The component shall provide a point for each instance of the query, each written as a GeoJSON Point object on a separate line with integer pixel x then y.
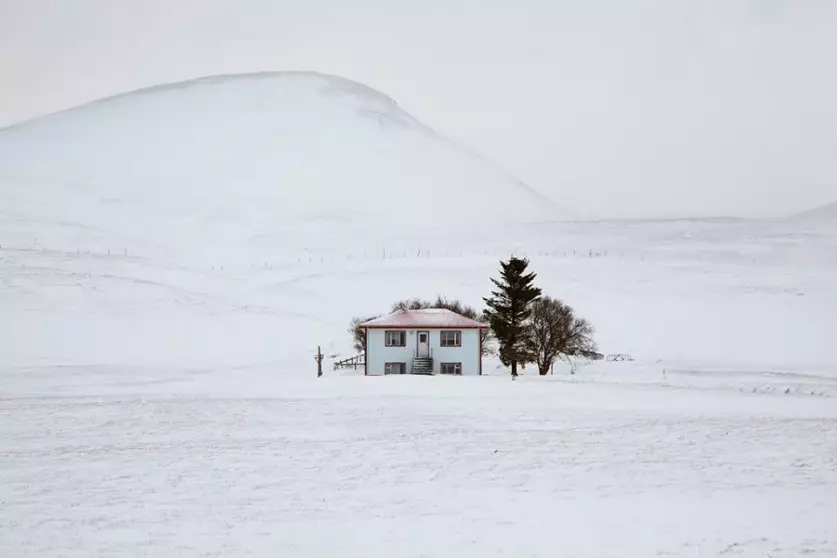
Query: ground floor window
{"type": "Point", "coordinates": [395, 368]}
{"type": "Point", "coordinates": [454, 368]}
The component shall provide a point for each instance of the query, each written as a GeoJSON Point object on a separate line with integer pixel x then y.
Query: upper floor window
{"type": "Point", "coordinates": [396, 338]}
{"type": "Point", "coordinates": [450, 339]}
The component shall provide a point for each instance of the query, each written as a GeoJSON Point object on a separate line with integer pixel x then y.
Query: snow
{"type": "Point", "coordinates": [823, 213]}
{"type": "Point", "coordinates": [158, 325]}
{"type": "Point", "coordinates": [124, 462]}
{"type": "Point", "coordinates": [425, 317]}
{"type": "Point", "coordinates": [719, 295]}
{"type": "Point", "coordinates": [151, 407]}
{"type": "Point", "coordinates": [232, 155]}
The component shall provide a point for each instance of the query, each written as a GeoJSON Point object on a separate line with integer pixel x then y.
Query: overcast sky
{"type": "Point", "coordinates": [628, 108]}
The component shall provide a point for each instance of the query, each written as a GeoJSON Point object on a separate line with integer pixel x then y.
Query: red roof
{"type": "Point", "coordinates": [427, 317]}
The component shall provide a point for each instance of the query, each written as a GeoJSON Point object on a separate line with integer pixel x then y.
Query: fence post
{"type": "Point", "coordinates": [319, 359]}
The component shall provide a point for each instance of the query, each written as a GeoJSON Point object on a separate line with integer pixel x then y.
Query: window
{"type": "Point", "coordinates": [453, 368]}
{"type": "Point", "coordinates": [451, 339]}
{"type": "Point", "coordinates": [395, 368]}
{"type": "Point", "coordinates": [396, 338]}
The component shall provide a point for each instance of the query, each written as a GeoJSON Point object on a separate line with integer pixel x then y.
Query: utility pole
{"type": "Point", "coordinates": [319, 359]}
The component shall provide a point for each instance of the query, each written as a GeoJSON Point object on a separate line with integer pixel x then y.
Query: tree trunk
{"type": "Point", "coordinates": [514, 368]}
{"type": "Point", "coordinates": [543, 369]}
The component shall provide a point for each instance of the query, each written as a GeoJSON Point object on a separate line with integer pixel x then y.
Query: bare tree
{"type": "Point", "coordinates": [555, 332]}
{"type": "Point", "coordinates": [440, 302]}
{"type": "Point", "coordinates": [358, 333]}
{"type": "Point", "coordinates": [410, 304]}
{"type": "Point", "coordinates": [452, 305]}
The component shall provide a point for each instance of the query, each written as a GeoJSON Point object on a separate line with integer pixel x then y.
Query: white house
{"type": "Point", "coordinates": [428, 341]}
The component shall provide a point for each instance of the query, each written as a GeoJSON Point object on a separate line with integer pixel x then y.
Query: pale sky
{"type": "Point", "coordinates": [612, 108]}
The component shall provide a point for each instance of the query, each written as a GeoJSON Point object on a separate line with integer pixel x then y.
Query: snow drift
{"type": "Point", "coordinates": [235, 155]}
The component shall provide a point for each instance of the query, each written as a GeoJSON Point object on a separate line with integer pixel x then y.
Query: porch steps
{"type": "Point", "coordinates": [422, 366]}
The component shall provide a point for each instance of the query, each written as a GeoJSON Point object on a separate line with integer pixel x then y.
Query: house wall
{"type": "Point", "coordinates": [378, 354]}
{"type": "Point", "coordinates": [468, 354]}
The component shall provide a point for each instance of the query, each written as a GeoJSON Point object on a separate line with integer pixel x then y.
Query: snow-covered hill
{"type": "Point", "coordinates": [171, 259]}
{"type": "Point", "coordinates": [242, 221]}
{"type": "Point", "coordinates": [225, 159]}
{"type": "Point", "coordinates": [823, 214]}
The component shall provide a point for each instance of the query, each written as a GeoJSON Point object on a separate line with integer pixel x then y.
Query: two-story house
{"type": "Point", "coordinates": [427, 341]}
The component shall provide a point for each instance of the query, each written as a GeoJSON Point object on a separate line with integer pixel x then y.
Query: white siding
{"type": "Point", "coordinates": [378, 354]}
{"type": "Point", "coordinates": [468, 354]}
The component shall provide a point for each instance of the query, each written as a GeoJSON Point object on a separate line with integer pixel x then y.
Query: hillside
{"type": "Point", "coordinates": [823, 213]}
{"type": "Point", "coordinates": [241, 221]}
{"type": "Point", "coordinates": [171, 260]}
{"type": "Point", "coordinates": [226, 159]}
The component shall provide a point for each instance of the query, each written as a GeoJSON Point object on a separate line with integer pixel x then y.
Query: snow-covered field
{"type": "Point", "coordinates": [249, 462]}
{"type": "Point", "coordinates": [157, 384]}
{"type": "Point", "coordinates": [157, 409]}
{"type": "Point", "coordinates": [709, 294]}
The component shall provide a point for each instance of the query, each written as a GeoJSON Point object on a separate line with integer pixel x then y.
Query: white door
{"type": "Point", "coordinates": [423, 344]}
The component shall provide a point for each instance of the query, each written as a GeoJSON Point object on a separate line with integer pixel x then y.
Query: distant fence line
{"type": "Point", "coordinates": [316, 256]}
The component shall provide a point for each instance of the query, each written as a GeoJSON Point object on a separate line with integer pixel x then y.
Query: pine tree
{"type": "Point", "coordinates": [509, 307]}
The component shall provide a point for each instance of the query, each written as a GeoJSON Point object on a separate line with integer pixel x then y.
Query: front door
{"type": "Point", "coordinates": [423, 344]}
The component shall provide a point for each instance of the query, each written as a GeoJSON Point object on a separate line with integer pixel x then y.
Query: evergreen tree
{"type": "Point", "coordinates": [509, 307]}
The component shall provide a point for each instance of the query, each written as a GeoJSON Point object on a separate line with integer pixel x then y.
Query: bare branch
{"type": "Point", "coordinates": [555, 332]}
